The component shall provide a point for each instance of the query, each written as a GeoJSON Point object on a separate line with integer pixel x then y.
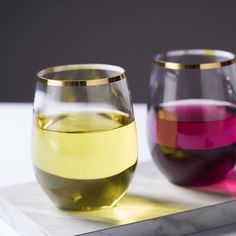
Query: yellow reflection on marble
{"type": "Point", "coordinates": [130, 209]}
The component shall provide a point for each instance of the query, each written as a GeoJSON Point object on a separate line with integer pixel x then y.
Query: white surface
{"type": "Point", "coordinates": [15, 139]}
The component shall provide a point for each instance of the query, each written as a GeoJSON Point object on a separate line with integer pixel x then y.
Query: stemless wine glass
{"type": "Point", "coordinates": [84, 146]}
{"type": "Point", "coordinates": [192, 115]}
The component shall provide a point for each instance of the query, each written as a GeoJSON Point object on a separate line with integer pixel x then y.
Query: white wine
{"type": "Point", "coordinates": [84, 160]}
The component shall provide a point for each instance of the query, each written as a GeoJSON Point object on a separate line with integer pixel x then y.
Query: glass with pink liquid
{"type": "Point", "coordinates": [192, 115]}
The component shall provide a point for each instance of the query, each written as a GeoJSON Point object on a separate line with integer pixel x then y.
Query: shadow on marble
{"type": "Point", "coordinates": [225, 187]}
{"type": "Point", "coordinates": [228, 230]}
{"type": "Point", "coordinates": [131, 208]}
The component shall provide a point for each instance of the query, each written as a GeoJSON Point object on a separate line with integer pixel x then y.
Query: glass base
{"type": "Point", "coordinates": [85, 195]}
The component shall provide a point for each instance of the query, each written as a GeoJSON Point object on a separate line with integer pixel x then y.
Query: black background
{"type": "Point", "coordinates": [43, 33]}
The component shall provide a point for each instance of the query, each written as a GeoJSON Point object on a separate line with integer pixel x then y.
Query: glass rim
{"type": "Point", "coordinates": [229, 59]}
{"type": "Point", "coordinates": [41, 75]}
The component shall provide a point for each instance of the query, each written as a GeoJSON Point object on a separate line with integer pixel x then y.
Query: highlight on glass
{"type": "Point", "coordinates": [84, 145]}
{"type": "Point", "coordinates": [192, 115]}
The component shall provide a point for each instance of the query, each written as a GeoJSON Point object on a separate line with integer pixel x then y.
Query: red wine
{"type": "Point", "coordinates": [193, 142]}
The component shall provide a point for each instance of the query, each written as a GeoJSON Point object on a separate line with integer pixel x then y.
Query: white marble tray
{"type": "Point", "coordinates": [152, 206]}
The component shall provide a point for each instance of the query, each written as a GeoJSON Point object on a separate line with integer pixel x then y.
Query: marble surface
{"type": "Point", "coordinates": [152, 205]}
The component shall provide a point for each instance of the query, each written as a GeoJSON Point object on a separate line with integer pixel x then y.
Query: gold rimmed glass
{"type": "Point", "coordinates": [84, 145]}
{"type": "Point", "coordinates": [192, 115]}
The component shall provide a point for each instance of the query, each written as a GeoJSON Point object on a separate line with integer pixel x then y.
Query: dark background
{"type": "Point", "coordinates": [39, 34]}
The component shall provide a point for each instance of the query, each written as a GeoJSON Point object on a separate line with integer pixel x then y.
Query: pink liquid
{"type": "Point", "coordinates": [193, 142]}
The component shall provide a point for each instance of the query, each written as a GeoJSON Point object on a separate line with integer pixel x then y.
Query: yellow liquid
{"type": "Point", "coordinates": [84, 160]}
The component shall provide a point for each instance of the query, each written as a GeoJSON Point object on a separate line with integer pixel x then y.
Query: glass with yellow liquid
{"type": "Point", "coordinates": [84, 145]}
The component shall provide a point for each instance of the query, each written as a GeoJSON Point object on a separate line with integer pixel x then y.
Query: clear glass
{"type": "Point", "coordinates": [192, 115]}
{"type": "Point", "coordinates": [84, 145]}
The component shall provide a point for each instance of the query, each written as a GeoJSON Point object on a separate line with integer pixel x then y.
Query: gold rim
{"type": "Point", "coordinates": [85, 82]}
{"type": "Point", "coordinates": [229, 59]}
